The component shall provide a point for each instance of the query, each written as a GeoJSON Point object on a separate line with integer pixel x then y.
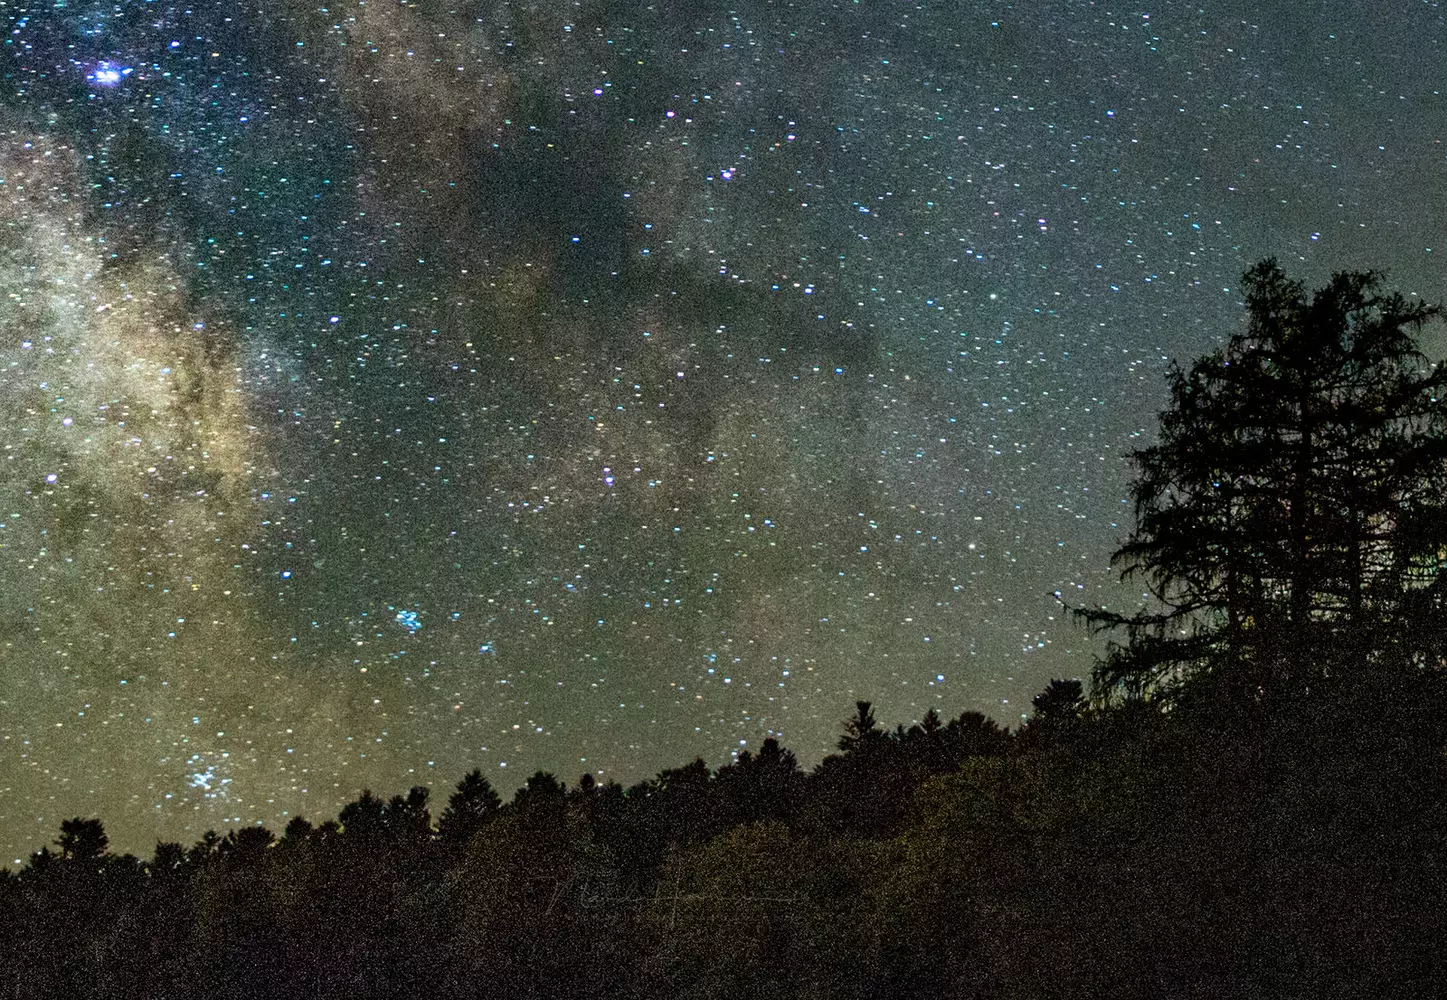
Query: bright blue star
{"type": "Point", "coordinates": [108, 74]}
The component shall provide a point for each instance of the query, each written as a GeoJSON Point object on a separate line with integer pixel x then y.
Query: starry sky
{"type": "Point", "coordinates": [389, 389]}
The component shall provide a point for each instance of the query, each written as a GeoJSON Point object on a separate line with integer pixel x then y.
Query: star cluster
{"type": "Point", "coordinates": [392, 388]}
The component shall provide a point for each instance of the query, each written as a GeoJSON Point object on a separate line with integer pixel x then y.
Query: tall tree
{"type": "Point", "coordinates": [469, 809]}
{"type": "Point", "coordinates": [860, 731]}
{"type": "Point", "coordinates": [1295, 504]}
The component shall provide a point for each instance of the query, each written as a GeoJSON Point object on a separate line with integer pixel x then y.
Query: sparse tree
{"type": "Point", "coordinates": [861, 730]}
{"type": "Point", "coordinates": [1296, 501]}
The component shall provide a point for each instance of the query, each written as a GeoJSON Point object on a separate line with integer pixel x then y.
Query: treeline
{"type": "Point", "coordinates": [1117, 851]}
{"type": "Point", "coordinates": [1253, 803]}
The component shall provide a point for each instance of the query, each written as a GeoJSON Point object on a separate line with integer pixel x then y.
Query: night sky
{"type": "Point", "coordinates": [391, 389]}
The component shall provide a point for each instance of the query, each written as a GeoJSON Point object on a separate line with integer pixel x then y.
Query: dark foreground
{"type": "Point", "coordinates": [1287, 850]}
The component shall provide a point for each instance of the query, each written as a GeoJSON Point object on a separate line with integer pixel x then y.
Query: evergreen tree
{"type": "Point", "coordinates": [1059, 704]}
{"type": "Point", "coordinates": [408, 821]}
{"type": "Point", "coordinates": [297, 831]}
{"type": "Point", "coordinates": [82, 840]}
{"type": "Point", "coordinates": [1295, 505]}
{"type": "Point", "coordinates": [469, 809]}
{"type": "Point", "coordinates": [364, 820]}
{"type": "Point", "coordinates": [861, 730]}
{"type": "Point", "coordinates": [247, 845]}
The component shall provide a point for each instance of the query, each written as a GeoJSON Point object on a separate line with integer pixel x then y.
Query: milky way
{"type": "Point", "coordinates": [390, 389]}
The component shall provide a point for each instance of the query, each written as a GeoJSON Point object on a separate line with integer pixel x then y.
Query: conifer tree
{"type": "Point", "coordinates": [1295, 505]}
{"type": "Point", "coordinates": [470, 808]}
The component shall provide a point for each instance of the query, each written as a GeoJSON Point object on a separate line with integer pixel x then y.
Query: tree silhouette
{"type": "Point", "coordinates": [1060, 701]}
{"type": "Point", "coordinates": [541, 801]}
{"type": "Point", "coordinates": [408, 821]}
{"type": "Point", "coordinates": [974, 734]}
{"type": "Point", "coordinates": [758, 786]}
{"type": "Point", "coordinates": [1148, 852]}
{"type": "Point", "coordinates": [167, 858]}
{"type": "Point", "coordinates": [245, 846]}
{"type": "Point", "coordinates": [1056, 716]}
{"type": "Point", "coordinates": [860, 731]}
{"type": "Point", "coordinates": [205, 849]}
{"type": "Point", "coordinates": [865, 789]}
{"type": "Point", "coordinates": [468, 810]}
{"type": "Point", "coordinates": [298, 831]}
{"type": "Point", "coordinates": [364, 819]}
{"type": "Point", "coordinates": [82, 840]}
{"type": "Point", "coordinates": [1296, 500]}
